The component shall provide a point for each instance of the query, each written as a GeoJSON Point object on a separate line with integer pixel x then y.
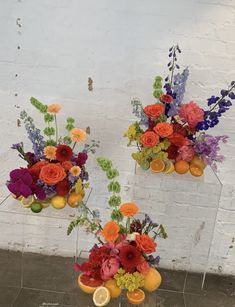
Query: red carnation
{"type": "Point", "coordinates": [62, 187]}
{"type": "Point", "coordinates": [130, 257]}
{"type": "Point", "coordinates": [172, 152]}
{"type": "Point", "coordinates": [166, 98]}
{"type": "Point", "coordinates": [63, 153]}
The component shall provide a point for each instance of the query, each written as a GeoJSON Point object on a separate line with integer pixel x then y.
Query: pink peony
{"type": "Point", "coordinates": [109, 268]}
{"type": "Point", "coordinates": [185, 153]}
{"type": "Point", "coordinates": [143, 267]}
{"type": "Point", "coordinates": [191, 113]}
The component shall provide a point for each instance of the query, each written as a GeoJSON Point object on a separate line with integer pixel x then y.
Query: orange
{"type": "Point", "coordinates": [181, 167]}
{"type": "Point", "coordinates": [114, 290]}
{"type": "Point", "coordinates": [88, 284]}
{"type": "Point", "coordinates": [136, 297]}
{"type": "Point", "coordinates": [198, 162]}
{"type": "Point", "coordinates": [74, 199]}
{"type": "Point", "coordinates": [157, 166]}
{"type": "Point", "coordinates": [196, 170]}
{"type": "Point", "coordinates": [152, 280]}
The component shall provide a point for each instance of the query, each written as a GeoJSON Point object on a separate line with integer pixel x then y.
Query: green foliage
{"type": "Point", "coordinates": [38, 105]}
{"type": "Point", "coordinates": [114, 186]}
{"type": "Point", "coordinates": [157, 87]}
{"type": "Point", "coordinates": [70, 124]}
{"type": "Point", "coordinates": [133, 133]}
{"type": "Point", "coordinates": [49, 131]}
{"type": "Point", "coordinates": [115, 201]}
{"type": "Point", "coordinates": [112, 173]}
{"type": "Point", "coordinates": [129, 281]}
{"type": "Point", "coordinates": [67, 140]}
{"type": "Point", "coordinates": [48, 118]}
{"type": "Point", "coordinates": [105, 164]}
{"type": "Point", "coordinates": [51, 143]}
{"type": "Point", "coordinates": [80, 220]}
{"type": "Point", "coordinates": [116, 215]}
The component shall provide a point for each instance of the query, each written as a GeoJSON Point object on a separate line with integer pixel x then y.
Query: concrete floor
{"type": "Point", "coordinates": [33, 280]}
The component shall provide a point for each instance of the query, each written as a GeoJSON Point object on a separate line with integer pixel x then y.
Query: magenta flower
{"type": "Point", "coordinates": [81, 159]}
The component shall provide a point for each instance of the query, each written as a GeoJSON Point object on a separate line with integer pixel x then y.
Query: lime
{"type": "Point", "coordinates": [36, 207]}
{"type": "Point", "coordinates": [145, 165]}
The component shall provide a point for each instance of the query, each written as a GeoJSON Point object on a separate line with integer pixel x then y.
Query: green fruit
{"type": "Point", "coordinates": [36, 207]}
{"type": "Point", "coordinates": [145, 165]}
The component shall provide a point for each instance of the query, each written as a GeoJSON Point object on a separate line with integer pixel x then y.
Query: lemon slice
{"type": "Point", "coordinates": [27, 202]}
{"type": "Point", "coordinates": [169, 168]}
{"type": "Point", "coordinates": [101, 297]}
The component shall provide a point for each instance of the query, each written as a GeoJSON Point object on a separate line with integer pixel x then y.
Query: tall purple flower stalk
{"type": "Point", "coordinates": [207, 147]}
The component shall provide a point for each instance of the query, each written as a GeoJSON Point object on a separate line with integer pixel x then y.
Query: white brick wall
{"type": "Point", "coordinates": [121, 45]}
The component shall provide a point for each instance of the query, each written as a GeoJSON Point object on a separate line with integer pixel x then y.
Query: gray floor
{"type": "Point", "coordinates": [33, 280]}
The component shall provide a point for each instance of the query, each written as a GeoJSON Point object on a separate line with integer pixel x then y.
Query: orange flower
{"type": "Point", "coordinates": [54, 108]}
{"type": "Point", "coordinates": [145, 244]}
{"type": "Point", "coordinates": [149, 139]}
{"type": "Point", "coordinates": [78, 135]}
{"type": "Point", "coordinates": [75, 171]}
{"type": "Point", "coordinates": [163, 129]}
{"type": "Point", "coordinates": [154, 110]}
{"type": "Point", "coordinates": [50, 152]}
{"type": "Point", "coordinates": [36, 168]}
{"type": "Point", "coordinates": [67, 165]}
{"type": "Point", "coordinates": [111, 231]}
{"type": "Point", "coordinates": [52, 173]}
{"type": "Point", "coordinates": [129, 209]}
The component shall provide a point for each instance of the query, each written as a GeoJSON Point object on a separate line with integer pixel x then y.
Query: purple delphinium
{"type": "Point", "coordinates": [207, 147]}
{"type": "Point", "coordinates": [34, 135]}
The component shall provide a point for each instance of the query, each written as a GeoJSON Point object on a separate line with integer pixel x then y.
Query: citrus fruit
{"type": "Point", "coordinates": [152, 280]}
{"type": "Point", "coordinates": [114, 290]}
{"type": "Point", "coordinates": [136, 297]}
{"type": "Point", "coordinates": [36, 207]}
{"type": "Point", "coordinates": [144, 165]}
{"type": "Point", "coordinates": [181, 167]}
{"type": "Point", "coordinates": [88, 284]}
{"type": "Point", "coordinates": [157, 166]}
{"type": "Point", "coordinates": [198, 162]}
{"type": "Point", "coordinates": [74, 199]}
{"type": "Point", "coordinates": [101, 296]}
{"type": "Point", "coordinates": [45, 204]}
{"type": "Point", "coordinates": [27, 202]}
{"type": "Point", "coordinates": [169, 168]}
{"type": "Point", "coordinates": [196, 170]}
{"type": "Point", "coordinates": [58, 202]}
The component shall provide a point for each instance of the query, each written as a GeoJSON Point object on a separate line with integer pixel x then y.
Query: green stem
{"type": "Point", "coordinates": [74, 145]}
{"type": "Point", "coordinates": [128, 225]}
{"type": "Point", "coordinates": [173, 66]}
{"type": "Point", "coordinates": [56, 129]}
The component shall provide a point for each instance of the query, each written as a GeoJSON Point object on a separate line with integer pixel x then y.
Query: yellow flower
{"type": "Point", "coordinates": [78, 135]}
{"type": "Point", "coordinates": [75, 171]}
{"type": "Point", "coordinates": [50, 152]}
{"type": "Point", "coordinates": [53, 108]}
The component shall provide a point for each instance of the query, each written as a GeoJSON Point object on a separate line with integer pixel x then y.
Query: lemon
{"type": "Point", "coordinates": [58, 202]}
{"type": "Point", "coordinates": [169, 167]}
{"type": "Point", "coordinates": [27, 202]}
{"type": "Point", "coordinates": [101, 296]}
{"type": "Point", "coordinates": [45, 203]}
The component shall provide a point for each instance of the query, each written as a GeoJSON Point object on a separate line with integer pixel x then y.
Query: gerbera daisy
{"type": "Point", "coordinates": [63, 153]}
{"type": "Point", "coordinates": [75, 171]}
{"type": "Point", "coordinates": [78, 135]}
{"type": "Point", "coordinates": [50, 152]}
{"type": "Point", "coordinates": [130, 257]}
{"type": "Point", "coordinates": [111, 231]}
{"type": "Point", "coordinates": [129, 209]}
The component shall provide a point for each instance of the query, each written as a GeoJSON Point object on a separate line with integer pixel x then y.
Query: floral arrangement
{"type": "Point", "coordinates": [172, 135]}
{"type": "Point", "coordinates": [123, 257]}
{"type": "Point", "coordinates": [55, 172]}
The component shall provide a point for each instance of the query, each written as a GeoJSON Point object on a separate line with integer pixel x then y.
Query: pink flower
{"type": "Point", "coordinates": [191, 113]}
{"type": "Point", "coordinates": [143, 267]}
{"type": "Point", "coordinates": [185, 153]}
{"type": "Point", "coordinates": [109, 268]}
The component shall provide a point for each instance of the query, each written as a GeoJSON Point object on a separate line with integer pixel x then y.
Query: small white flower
{"type": "Point", "coordinates": [132, 236]}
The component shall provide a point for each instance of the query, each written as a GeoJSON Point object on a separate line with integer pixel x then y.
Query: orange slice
{"type": "Point", "coordinates": [157, 166]}
{"type": "Point", "coordinates": [198, 162]}
{"type": "Point", "coordinates": [196, 170]}
{"type": "Point", "coordinates": [88, 284]}
{"type": "Point", "coordinates": [136, 297]}
{"type": "Point", "coordinates": [181, 167]}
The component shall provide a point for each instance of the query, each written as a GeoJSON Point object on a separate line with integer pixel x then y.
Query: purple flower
{"type": "Point", "coordinates": [82, 158]}
{"type": "Point", "coordinates": [17, 146]}
{"type": "Point", "coordinates": [20, 182]}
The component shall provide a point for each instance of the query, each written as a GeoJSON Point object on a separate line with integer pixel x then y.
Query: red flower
{"type": "Point", "coordinates": [63, 153]}
{"type": "Point", "coordinates": [81, 159]}
{"type": "Point", "coordinates": [62, 187]}
{"type": "Point", "coordinates": [130, 257]}
{"type": "Point", "coordinates": [178, 140]}
{"type": "Point", "coordinates": [154, 110]}
{"type": "Point", "coordinates": [179, 129]}
{"type": "Point", "coordinates": [166, 98]}
{"type": "Point", "coordinates": [172, 152]}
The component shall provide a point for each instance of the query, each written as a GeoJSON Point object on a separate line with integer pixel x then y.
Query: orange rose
{"type": "Point", "coordinates": [166, 98]}
{"type": "Point", "coordinates": [154, 110]}
{"type": "Point", "coordinates": [36, 168]}
{"type": "Point", "coordinates": [53, 108]}
{"type": "Point", "coordinates": [145, 244]}
{"type": "Point", "coordinates": [129, 209]}
{"type": "Point", "coordinates": [111, 231]}
{"type": "Point", "coordinates": [163, 129]}
{"type": "Point", "coordinates": [52, 173]}
{"type": "Point", "coordinates": [149, 139]}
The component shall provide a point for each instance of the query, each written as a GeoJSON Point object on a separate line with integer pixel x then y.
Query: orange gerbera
{"type": "Point", "coordinates": [67, 165]}
{"type": "Point", "coordinates": [50, 152]}
{"type": "Point", "coordinates": [54, 108]}
{"type": "Point", "coordinates": [78, 135]}
{"type": "Point", "coordinates": [163, 129]}
{"type": "Point", "coordinates": [129, 209]}
{"type": "Point", "coordinates": [111, 231]}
